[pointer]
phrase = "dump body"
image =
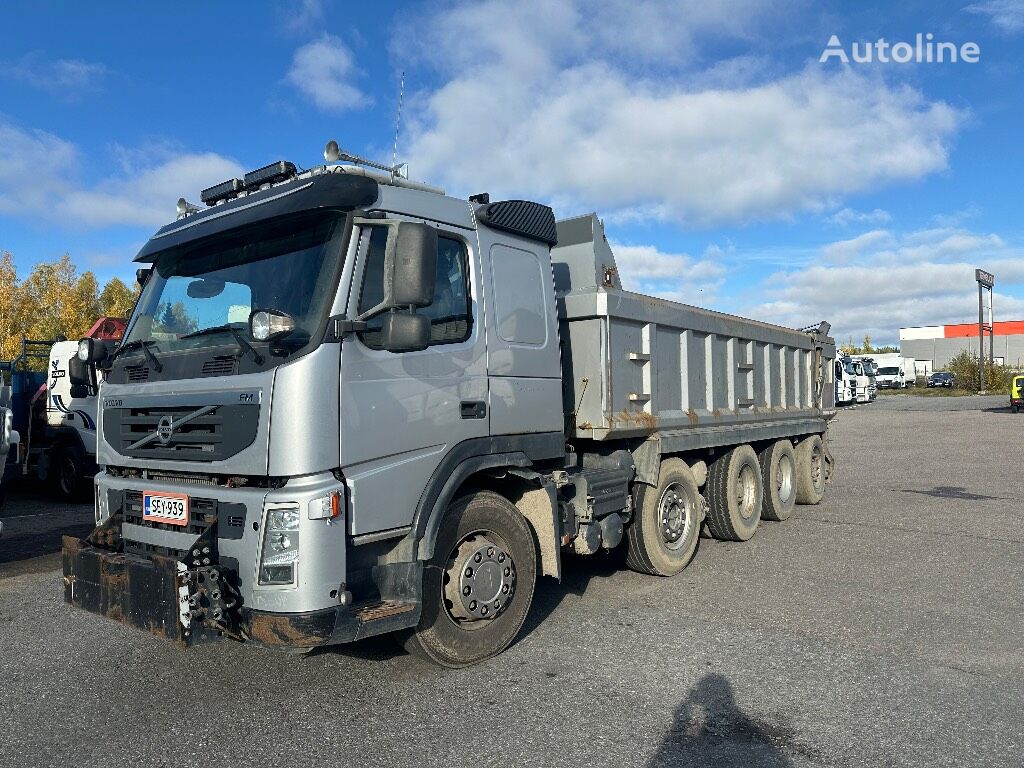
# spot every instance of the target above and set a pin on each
(635, 365)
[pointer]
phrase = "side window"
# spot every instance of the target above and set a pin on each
(451, 318)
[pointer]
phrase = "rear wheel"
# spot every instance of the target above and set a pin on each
(478, 586)
(1014, 409)
(735, 495)
(810, 475)
(778, 478)
(663, 535)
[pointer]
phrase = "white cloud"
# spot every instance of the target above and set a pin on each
(674, 276)
(323, 70)
(844, 250)
(39, 178)
(70, 79)
(891, 280)
(848, 216)
(302, 16)
(535, 104)
(1008, 15)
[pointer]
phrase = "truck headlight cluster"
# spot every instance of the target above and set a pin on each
(279, 555)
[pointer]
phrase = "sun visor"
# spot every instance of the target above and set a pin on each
(329, 190)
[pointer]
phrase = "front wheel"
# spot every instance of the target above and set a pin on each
(478, 586)
(68, 473)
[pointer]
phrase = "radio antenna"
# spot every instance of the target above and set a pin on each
(398, 124)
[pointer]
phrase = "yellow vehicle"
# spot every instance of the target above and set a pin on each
(1017, 394)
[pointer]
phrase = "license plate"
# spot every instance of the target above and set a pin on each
(171, 508)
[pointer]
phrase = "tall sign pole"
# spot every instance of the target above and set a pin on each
(985, 282)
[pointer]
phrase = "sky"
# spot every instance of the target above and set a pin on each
(733, 167)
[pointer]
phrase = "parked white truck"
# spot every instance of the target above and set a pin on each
(894, 371)
(846, 381)
(347, 404)
(56, 420)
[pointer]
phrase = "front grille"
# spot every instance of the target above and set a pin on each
(220, 366)
(137, 373)
(204, 514)
(182, 433)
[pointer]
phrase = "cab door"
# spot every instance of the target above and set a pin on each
(402, 412)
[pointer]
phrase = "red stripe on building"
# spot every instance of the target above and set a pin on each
(1005, 328)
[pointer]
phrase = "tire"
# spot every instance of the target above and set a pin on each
(810, 474)
(67, 474)
(486, 529)
(778, 478)
(1014, 409)
(735, 495)
(663, 536)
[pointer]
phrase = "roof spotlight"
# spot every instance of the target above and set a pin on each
(332, 152)
(185, 208)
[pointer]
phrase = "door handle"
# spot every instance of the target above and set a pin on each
(474, 409)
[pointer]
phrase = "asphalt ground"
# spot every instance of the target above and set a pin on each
(883, 627)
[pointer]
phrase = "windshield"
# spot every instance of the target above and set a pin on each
(850, 368)
(285, 264)
(858, 369)
(889, 371)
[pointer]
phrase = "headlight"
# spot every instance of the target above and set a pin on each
(280, 552)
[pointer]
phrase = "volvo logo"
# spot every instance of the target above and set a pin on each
(164, 429)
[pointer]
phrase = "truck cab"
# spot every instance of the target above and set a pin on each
(846, 381)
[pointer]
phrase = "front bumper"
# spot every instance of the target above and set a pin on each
(190, 606)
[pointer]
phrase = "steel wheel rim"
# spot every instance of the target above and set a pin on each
(478, 583)
(675, 516)
(784, 479)
(746, 491)
(817, 477)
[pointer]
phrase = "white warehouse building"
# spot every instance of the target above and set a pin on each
(935, 345)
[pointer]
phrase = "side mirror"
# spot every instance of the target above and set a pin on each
(78, 374)
(405, 332)
(410, 264)
(79, 391)
(142, 276)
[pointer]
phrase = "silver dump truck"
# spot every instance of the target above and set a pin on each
(347, 404)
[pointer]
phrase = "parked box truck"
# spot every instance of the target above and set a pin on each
(347, 404)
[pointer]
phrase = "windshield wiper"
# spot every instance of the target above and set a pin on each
(142, 344)
(243, 345)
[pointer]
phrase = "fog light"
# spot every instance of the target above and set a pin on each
(279, 555)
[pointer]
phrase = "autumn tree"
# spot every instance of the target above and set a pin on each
(54, 300)
(117, 299)
(12, 309)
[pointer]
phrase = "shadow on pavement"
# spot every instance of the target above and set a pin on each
(953, 492)
(709, 729)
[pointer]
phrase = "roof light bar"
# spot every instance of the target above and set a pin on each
(268, 174)
(221, 191)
